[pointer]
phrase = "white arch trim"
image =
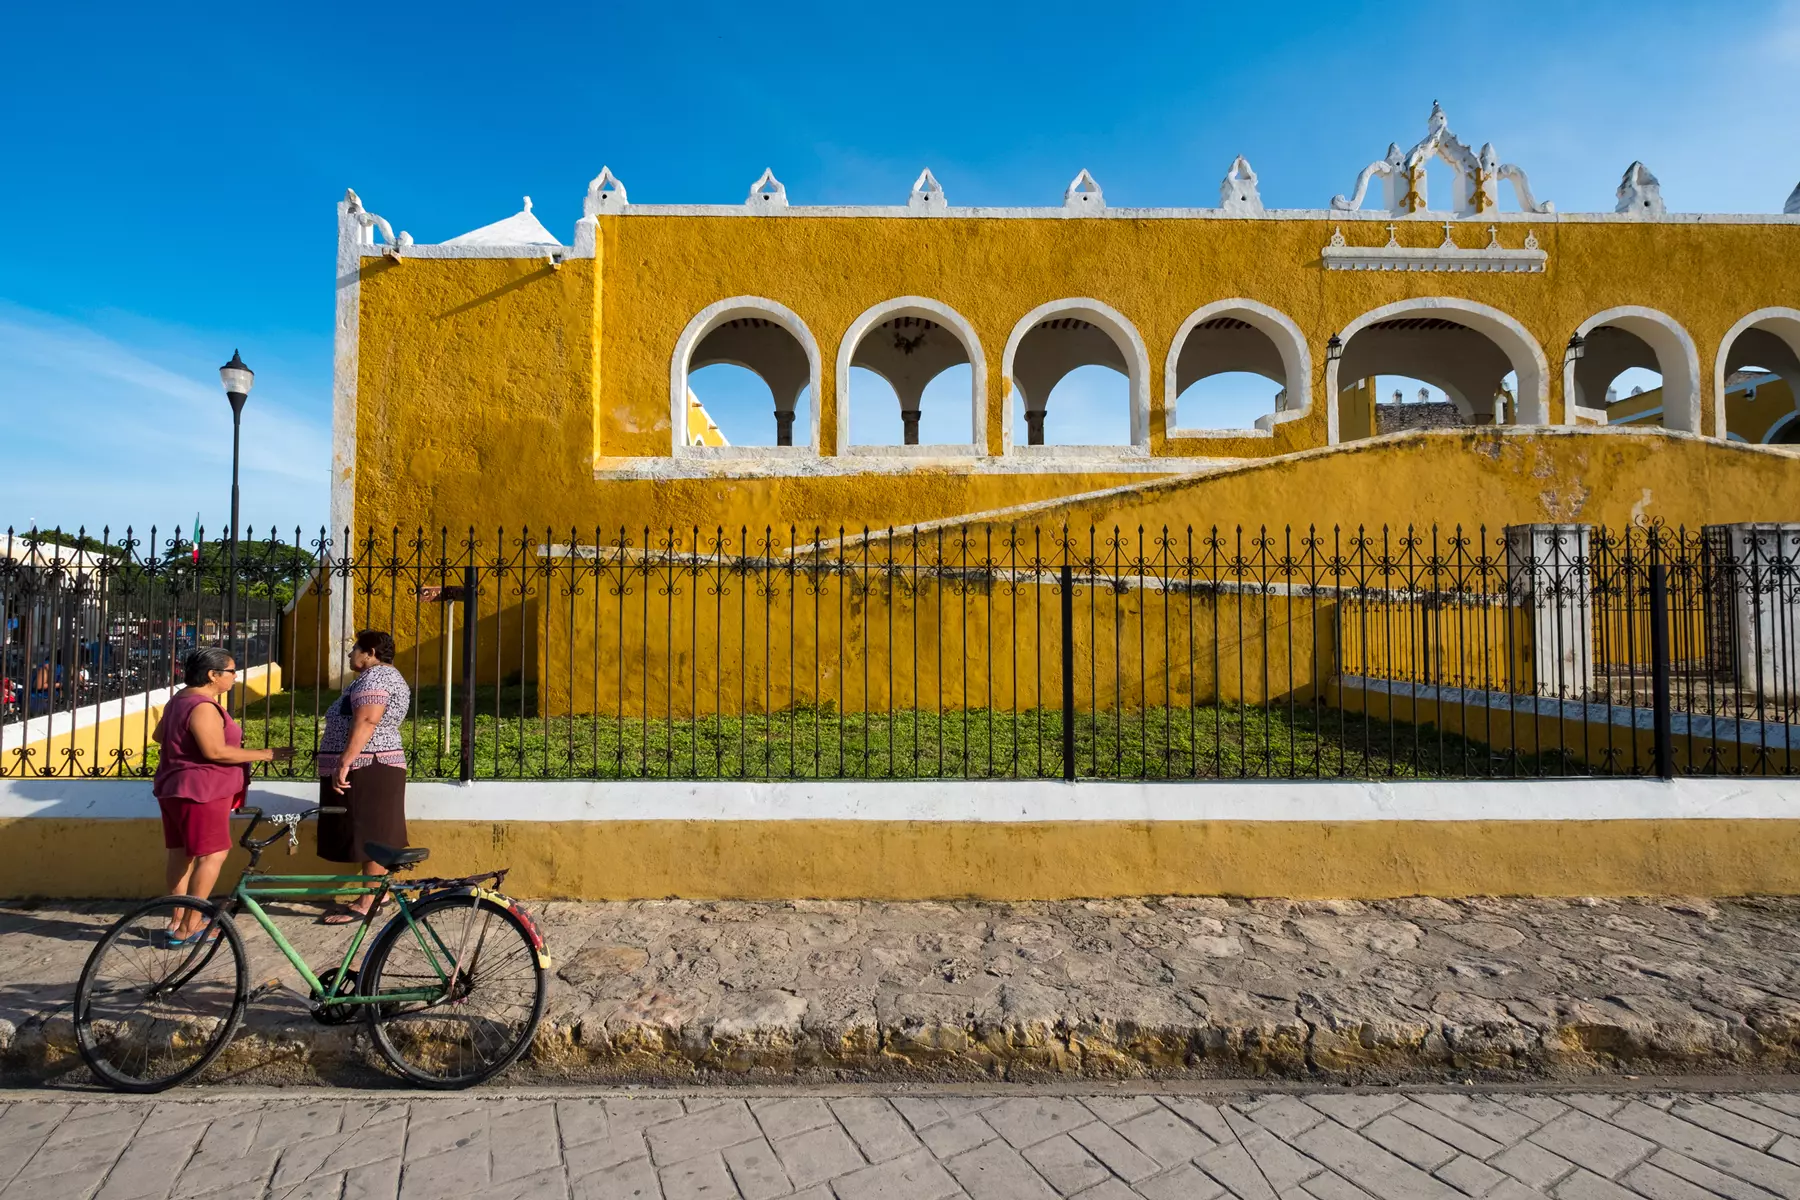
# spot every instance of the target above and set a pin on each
(704, 322)
(1514, 340)
(1676, 358)
(1290, 343)
(1137, 362)
(1784, 323)
(943, 314)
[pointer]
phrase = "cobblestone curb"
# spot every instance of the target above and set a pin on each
(1409, 989)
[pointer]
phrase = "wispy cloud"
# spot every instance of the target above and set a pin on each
(102, 430)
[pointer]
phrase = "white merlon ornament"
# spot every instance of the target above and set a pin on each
(367, 223)
(1238, 193)
(1083, 194)
(927, 194)
(1476, 176)
(605, 194)
(1639, 192)
(1792, 207)
(767, 193)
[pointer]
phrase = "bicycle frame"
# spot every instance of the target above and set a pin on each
(253, 884)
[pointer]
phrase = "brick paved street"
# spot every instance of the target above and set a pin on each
(867, 1143)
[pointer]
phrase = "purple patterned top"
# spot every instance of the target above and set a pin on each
(380, 684)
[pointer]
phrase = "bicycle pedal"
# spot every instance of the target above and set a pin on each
(271, 984)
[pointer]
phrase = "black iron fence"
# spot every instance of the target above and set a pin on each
(956, 652)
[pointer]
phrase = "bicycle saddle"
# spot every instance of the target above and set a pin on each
(394, 858)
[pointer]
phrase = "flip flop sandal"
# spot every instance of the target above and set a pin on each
(342, 915)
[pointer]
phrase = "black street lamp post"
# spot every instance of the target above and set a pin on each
(237, 379)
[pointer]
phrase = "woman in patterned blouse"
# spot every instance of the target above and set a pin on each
(362, 765)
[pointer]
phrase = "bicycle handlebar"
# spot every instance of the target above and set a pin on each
(255, 815)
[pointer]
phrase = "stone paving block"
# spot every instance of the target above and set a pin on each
(581, 1121)
(1653, 1182)
(1066, 1164)
(169, 1114)
(1120, 1156)
(552, 1184)
(1207, 1118)
(1588, 1142)
(920, 1111)
(701, 1133)
(1786, 1148)
(328, 1187)
(444, 1131)
(1585, 1185)
(701, 1178)
(915, 1176)
(876, 1127)
(1594, 1105)
(757, 1171)
(641, 1112)
(523, 1142)
(1369, 1166)
(818, 1155)
(449, 1172)
(1114, 1109)
(996, 1172)
(1285, 1116)
(1447, 1130)
(1725, 1123)
(289, 1125)
(1112, 1189)
(1487, 1117)
(610, 1151)
(1716, 1182)
(634, 1180)
(1532, 1165)
(952, 1137)
(1283, 1166)
(1185, 1182)
(1541, 1109)
(373, 1181)
(369, 1145)
(1028, 1120)
(1330, 1186)
(1709, 1148)
(150, 1165)
(790, 1115)
(1164, 1136)
(1762, 1114)
(1512, 1189)
(1354, 1111)
(97, 1121)
(1787, 1102)
(1409, 1142)
(1469, 1175)
(1233, 1168)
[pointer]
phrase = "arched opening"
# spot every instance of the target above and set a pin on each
(1476, 365)
(1235, 368)
(1759, 378)
(912, 375)
(747, 368)
(1634, 366)
(1079, 374)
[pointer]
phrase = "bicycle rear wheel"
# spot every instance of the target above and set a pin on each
(149, 1014)
(485, 1020)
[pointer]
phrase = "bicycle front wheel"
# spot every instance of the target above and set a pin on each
(151, 1012)
(480, 963)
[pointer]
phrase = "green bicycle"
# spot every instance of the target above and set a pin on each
(452, 986)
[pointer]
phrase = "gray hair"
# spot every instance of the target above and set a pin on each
(200, 664)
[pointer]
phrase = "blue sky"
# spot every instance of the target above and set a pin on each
(171, 171)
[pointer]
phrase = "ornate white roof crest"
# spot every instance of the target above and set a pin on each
(1477, 176)
(1083, 194)
(605, 194)
(1640, 193)
(767, 192)
(1238, 193)
(927, 194)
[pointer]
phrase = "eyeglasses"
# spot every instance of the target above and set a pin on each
(224, 670)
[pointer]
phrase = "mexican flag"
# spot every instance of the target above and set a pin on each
(196, 539)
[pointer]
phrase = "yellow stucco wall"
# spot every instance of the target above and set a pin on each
(489, 389)
(912, 860)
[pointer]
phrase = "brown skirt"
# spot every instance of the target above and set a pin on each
(377, 813)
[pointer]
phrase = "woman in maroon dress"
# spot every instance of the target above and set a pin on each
(201, 778)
